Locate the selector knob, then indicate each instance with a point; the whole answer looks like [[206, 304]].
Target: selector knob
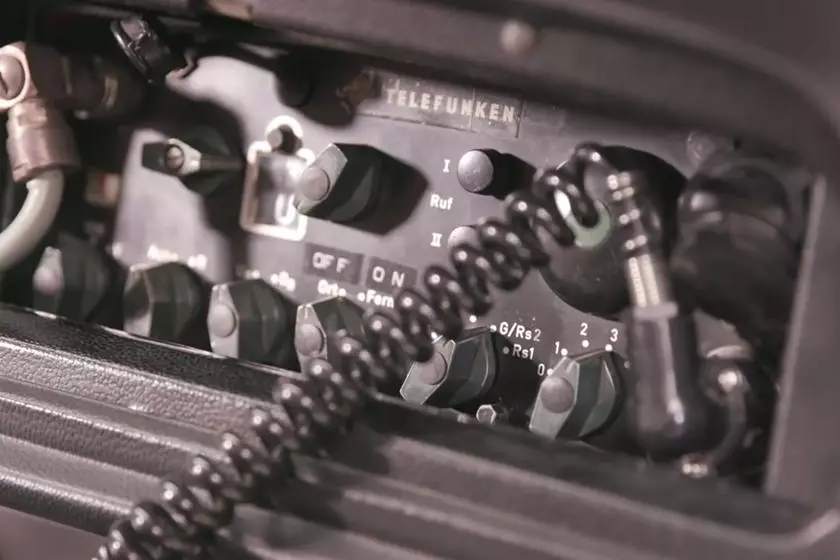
[[342, 183], [166, 302], [316, 322], [484, 171], [250, 320], [71, 280], [578, 396], [460, 371]]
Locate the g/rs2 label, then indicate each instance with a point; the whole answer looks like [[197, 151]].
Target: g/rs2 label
[[333, 264], [389, 277]]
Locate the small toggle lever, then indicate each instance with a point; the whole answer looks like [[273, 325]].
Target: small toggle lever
[[203, 162]]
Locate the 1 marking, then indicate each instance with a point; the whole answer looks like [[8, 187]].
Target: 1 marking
[[446, 163]]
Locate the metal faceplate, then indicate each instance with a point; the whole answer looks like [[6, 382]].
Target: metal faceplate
[[425, 126]]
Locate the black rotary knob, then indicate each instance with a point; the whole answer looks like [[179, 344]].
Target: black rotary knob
[[484, 171], [318, 322], [71, 280], [250, 320], [343, 182], [166, 302]]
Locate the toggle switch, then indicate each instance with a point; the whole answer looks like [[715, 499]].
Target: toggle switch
[[201, 160]]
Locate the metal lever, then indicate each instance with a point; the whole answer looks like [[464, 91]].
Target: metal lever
[[202, 164]]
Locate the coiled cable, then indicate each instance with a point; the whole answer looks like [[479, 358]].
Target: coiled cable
[[313, 412]]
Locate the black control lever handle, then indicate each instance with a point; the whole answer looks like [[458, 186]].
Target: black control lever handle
[[669, 411], [202, 161]]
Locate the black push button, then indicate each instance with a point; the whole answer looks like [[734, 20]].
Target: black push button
[[483, 171]]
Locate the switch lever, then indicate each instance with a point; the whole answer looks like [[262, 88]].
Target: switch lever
[[202, 161], [460, 371]]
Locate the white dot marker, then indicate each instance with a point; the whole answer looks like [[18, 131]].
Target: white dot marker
[[585, 344], [505, 351], [360, 296], [473, 318], [492, 328], [342, 292], [608, 348], [564, 352]]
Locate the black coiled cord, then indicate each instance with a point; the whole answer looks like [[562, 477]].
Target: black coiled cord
[[191, 511]]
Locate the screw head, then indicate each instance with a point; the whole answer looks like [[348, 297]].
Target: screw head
[[283, 139], [174, 158], [518, 38], [490, 414], [702, 146], [12, 77], [729, 379], [694, 469]]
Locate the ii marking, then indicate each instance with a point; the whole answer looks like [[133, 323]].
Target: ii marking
[[437, 238]]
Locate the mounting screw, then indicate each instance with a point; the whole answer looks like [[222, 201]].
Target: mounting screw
[[174, 158], [701, 146], [283, 139], [693, 469], [12, 77], [491, 414], [729, 380], [518, 37]]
